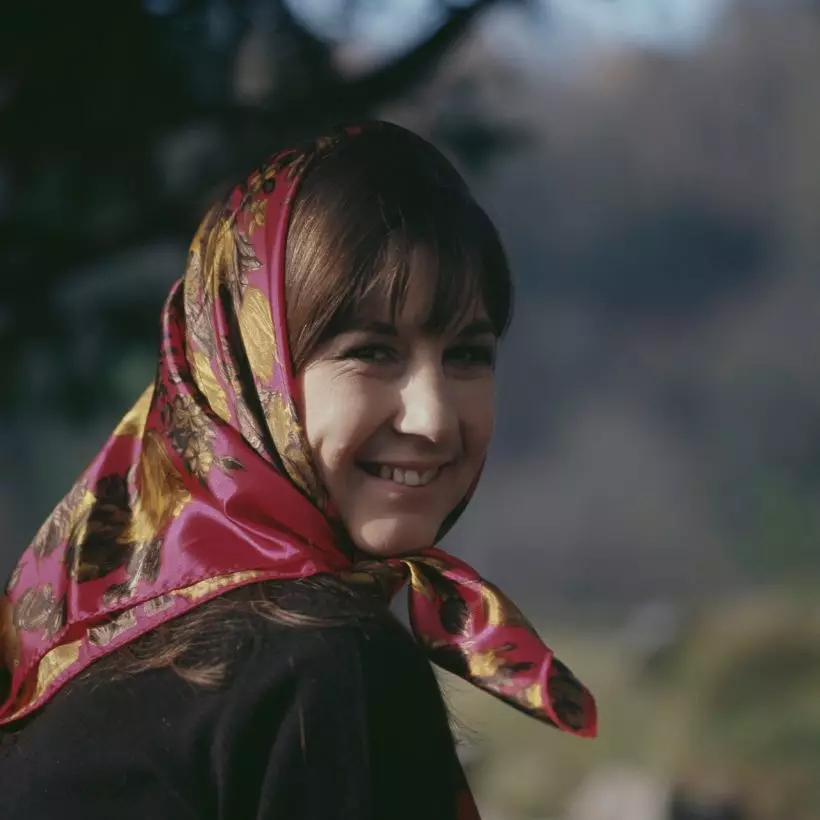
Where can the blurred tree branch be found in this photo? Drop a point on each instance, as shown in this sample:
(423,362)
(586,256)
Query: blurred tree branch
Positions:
(93,97)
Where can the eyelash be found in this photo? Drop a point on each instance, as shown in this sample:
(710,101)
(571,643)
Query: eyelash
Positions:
(471,355)
(478,354)
(365,353)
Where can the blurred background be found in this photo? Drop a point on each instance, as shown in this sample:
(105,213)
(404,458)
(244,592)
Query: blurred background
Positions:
(652,497)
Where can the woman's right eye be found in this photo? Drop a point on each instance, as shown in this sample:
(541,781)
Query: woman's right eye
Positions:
(375,354)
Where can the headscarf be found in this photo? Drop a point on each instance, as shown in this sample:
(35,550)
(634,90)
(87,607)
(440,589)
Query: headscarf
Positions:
(207,484)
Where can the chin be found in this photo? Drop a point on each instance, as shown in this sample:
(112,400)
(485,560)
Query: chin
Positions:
(392,538)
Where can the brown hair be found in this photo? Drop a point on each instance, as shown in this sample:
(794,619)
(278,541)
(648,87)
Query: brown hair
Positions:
(371,214)
(198,644)
(377,213)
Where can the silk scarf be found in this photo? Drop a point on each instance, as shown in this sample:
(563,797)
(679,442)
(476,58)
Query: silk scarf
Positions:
(207,485)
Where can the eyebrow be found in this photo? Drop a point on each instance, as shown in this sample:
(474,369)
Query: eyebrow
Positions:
(479,327)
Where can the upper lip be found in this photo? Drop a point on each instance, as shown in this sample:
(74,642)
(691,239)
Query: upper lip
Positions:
(418,466)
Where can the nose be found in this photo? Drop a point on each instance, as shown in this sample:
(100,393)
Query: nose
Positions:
(427,407)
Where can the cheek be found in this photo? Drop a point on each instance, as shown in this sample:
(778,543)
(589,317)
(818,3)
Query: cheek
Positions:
(337,414)
(476,402)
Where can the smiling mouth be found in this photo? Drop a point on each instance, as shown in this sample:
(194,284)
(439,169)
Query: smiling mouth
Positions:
(402,477)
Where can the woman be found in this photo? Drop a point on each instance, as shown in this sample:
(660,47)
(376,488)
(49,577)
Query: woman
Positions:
(200,629)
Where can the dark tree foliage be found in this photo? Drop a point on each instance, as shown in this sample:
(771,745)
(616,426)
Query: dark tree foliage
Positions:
(95,95)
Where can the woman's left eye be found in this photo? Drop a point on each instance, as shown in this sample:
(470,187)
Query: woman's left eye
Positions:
(469,355)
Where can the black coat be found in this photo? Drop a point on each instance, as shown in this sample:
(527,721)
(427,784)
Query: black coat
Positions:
(323,722)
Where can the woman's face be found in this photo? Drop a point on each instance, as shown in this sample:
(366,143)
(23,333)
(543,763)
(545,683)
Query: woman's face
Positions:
(399,420)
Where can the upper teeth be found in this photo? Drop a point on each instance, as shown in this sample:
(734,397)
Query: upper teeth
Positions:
(410,477)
